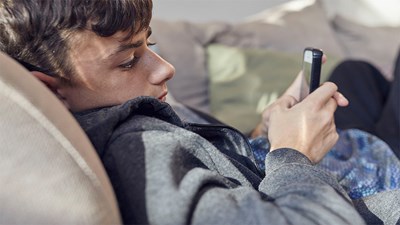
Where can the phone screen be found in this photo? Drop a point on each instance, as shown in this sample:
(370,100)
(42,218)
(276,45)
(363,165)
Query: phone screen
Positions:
(307,62)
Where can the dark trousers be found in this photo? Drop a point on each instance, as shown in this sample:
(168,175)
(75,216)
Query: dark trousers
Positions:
(374,102)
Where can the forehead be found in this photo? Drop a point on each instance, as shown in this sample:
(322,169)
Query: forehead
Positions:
(88,42)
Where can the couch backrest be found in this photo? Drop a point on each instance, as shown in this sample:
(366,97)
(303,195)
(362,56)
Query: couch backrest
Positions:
(49,171)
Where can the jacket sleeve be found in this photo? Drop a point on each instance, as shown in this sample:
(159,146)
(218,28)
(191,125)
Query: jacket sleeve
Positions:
(166,178)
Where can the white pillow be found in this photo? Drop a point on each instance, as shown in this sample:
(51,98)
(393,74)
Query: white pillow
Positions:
(275,15)
(366,12)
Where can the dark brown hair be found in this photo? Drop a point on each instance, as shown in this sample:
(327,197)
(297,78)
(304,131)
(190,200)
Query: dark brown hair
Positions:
(37,32)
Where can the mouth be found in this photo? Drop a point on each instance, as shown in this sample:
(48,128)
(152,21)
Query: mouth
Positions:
(163,97)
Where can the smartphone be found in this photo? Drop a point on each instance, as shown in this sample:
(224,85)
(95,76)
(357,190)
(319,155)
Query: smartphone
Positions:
(312,61)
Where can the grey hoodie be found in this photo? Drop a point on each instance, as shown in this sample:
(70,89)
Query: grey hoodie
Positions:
(165,171)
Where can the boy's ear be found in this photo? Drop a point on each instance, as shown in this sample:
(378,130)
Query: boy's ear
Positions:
(50,81)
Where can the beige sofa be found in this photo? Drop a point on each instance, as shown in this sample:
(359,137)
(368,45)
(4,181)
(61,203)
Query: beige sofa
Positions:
(49,171)
(233,71)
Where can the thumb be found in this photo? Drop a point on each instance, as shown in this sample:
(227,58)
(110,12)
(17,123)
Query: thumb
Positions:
(288,101)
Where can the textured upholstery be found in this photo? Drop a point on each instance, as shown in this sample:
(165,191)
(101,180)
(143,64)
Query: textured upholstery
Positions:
(49,171)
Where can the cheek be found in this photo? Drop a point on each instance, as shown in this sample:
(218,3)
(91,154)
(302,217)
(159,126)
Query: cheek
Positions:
(132,80)
(131,86)
(109,89)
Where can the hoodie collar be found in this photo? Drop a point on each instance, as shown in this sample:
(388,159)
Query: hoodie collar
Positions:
(99,124)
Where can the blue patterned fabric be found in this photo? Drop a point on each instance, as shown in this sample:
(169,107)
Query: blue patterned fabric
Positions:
(363,164)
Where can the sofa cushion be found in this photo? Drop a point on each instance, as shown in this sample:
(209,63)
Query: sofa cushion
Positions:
(288,28)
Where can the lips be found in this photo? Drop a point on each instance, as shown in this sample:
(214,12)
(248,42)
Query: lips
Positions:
(163,97)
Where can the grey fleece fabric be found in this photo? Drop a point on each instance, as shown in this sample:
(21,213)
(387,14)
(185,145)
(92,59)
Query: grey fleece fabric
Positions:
(165,171)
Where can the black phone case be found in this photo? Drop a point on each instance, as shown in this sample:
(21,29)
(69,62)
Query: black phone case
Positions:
(315,77)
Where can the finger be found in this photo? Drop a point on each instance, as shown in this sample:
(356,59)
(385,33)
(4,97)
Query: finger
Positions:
(331,106)
(341,99)
(332,139)
(334,135)
(324,58)
(288,101)
(295,88)
(322,94)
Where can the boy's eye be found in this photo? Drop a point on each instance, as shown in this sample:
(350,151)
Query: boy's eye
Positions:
(152,46)
(130,64)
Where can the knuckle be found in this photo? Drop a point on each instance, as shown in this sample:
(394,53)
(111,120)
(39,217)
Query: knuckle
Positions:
(331,85)
(289,98)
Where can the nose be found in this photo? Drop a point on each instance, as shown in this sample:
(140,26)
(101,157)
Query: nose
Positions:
(162,70)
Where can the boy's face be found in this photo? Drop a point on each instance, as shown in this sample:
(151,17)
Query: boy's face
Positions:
(111,72)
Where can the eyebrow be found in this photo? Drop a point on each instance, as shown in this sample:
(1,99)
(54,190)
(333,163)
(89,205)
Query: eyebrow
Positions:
(125,47)
(137,44)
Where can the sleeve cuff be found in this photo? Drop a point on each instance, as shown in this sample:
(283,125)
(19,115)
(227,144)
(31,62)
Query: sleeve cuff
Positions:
(279,157)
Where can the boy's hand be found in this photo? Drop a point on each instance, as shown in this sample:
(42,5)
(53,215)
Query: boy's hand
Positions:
(299,88)
(307,126)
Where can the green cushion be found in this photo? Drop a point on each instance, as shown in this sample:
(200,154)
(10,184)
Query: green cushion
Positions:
(244,81)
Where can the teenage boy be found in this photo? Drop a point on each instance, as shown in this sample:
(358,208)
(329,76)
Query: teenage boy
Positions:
(94,56)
